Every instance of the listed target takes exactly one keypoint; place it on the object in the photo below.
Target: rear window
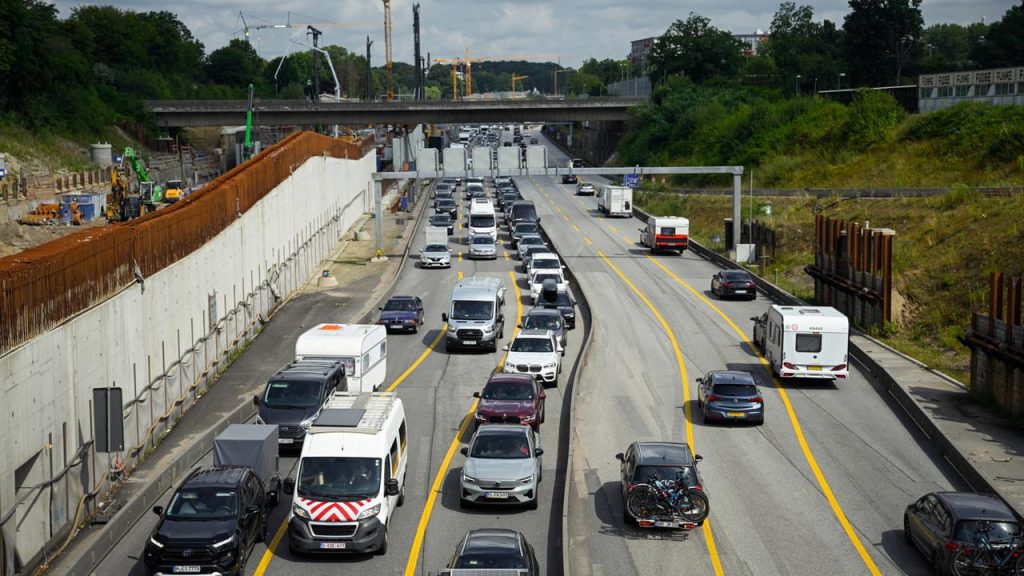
(736, 389)
(967, 530)
(737, 275)
(668, 231)
(642, 474)
(808, 342)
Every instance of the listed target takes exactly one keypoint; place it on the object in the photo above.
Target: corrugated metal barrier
(43, 286)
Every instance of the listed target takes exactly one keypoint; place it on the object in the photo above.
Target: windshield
(483, 239)
(526, 228)
(332, 479)
(508, 391)
(471, 310)
(545, 322)
(524, 212)
(531, 240)
(501, 446)
(967, 530)
(490, 561)
(481, 221)
(736, 389)
(545, 264)
(441, 219)
(445, 203)
(204, 503)
(642, 474)
(292, 394)
(402, 305)
(540, 278)
(531, 345)
(435, 248)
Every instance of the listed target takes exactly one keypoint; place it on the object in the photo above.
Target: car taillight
(757, 399)
(789, 365)
(839, 367)
(726, 284)
(953, 546)
(713, 398)
(630, 485)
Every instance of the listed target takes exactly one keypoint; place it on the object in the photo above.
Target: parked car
(537, 353)
(585, 189)
(730, 395)
(503, 466)
(512, 399)
(402, 313)
(733, 283)
(498, 549)
(210, 525)
(940, 523)
(542, 319)
(667, 460)
(443, 220)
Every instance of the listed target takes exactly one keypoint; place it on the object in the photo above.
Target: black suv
(551, 298)
(498, 549)
(940, 523)
(211, 524)
(667, 460)
(294, 396)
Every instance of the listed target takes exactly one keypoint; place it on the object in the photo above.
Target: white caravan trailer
(362, 347)
(804, 341)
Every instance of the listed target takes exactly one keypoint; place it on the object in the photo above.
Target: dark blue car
(402, 313)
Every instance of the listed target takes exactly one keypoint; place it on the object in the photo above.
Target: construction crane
(455, 77)
(247, 148)
(387, 47)
(516, 79)
(246, 27)
(469, 70)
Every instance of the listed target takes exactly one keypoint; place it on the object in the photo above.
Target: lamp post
(796, 83)
(839, 80)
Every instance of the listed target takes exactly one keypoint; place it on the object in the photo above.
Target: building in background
(752, 42)
(639, 51)
(995, 86)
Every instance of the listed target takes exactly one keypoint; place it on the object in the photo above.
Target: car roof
(977, 505)
(511, 378)
(502, 428)
(663, 453)
(532, 333)
(731, 377)
(495, 540)
(216, 476)
(544, 312)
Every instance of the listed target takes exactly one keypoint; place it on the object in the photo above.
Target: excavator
(152, 193)
(122, 203)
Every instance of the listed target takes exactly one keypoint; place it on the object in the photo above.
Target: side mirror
(538, 219)
(543, 395)
(444, 316)
(289, 486)
(754, 318)
(158, 510)
(620, 457)
(697, 458)
(392, 487)
(256, 399)
(464, 450)
(538, 451)
(476, 394)
(505, 347)
(520, 326)
(381, 308)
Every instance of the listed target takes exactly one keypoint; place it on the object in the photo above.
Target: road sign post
(631, 180)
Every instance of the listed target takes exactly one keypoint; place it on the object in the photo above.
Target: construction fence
(45, 285)
(996, 341)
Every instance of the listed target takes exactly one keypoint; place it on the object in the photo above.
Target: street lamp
(931, 48)
(796, 83)
(839, 80)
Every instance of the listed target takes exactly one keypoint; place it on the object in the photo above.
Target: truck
(253, 446)
(665, 233)
(615, 201)
(362, 347)
(804, 341)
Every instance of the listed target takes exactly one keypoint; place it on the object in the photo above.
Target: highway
(820, 488)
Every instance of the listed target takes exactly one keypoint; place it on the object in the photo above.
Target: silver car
(482, 246)
(435, 256)
(503, 466)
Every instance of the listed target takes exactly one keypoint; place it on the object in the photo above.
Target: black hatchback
(665, 460)
(497, 549)
(940, 523)
(211, 524)
(733, 283)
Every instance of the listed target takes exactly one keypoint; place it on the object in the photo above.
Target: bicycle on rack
(667, 503)
(986, 557)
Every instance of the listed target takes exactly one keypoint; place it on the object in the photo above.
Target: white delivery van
(615, 201)
(666, 233)
(804, 341)
(350, 476)
(476, 318)
(482, 220)
(362, 347)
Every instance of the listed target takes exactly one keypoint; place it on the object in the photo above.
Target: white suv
(537, 353)
(537, 282)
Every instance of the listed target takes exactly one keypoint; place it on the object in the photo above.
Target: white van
(476, 318)
(482, 220)
(804, 341)
(362, 347)
(350, 477)
(615, 201)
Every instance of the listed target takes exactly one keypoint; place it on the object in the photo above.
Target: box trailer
(253, 446)
(362, 347)
(615, 201)
(665, 233)
(804, 341)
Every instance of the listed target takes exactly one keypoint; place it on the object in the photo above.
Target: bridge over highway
(183, 113)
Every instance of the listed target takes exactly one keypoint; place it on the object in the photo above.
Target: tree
(236, 64)
(1003, 45)
(882, 39)
(582, 83)
(804, 50)
(695, 49)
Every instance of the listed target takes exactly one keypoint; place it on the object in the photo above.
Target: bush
(872, 118)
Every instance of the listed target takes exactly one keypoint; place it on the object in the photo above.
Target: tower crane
(469, 70)
(455, 78)
(387, 47)
(516, 79)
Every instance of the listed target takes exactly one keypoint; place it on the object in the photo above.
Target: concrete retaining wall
(161, 340)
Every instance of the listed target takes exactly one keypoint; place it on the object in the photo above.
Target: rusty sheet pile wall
(43, 286)
(852, 270)
(996, 341)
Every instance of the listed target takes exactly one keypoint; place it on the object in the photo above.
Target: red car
(511, 398)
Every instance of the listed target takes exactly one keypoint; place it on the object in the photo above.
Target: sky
(566, 31)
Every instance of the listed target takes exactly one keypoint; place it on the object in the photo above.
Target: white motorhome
(350, 476)
(482, 220)
(362, 347)
(804, 341)
(615, 201)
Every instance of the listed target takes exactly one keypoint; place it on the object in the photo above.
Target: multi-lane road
(818, 489)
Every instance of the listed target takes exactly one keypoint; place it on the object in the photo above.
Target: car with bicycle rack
(661, 487)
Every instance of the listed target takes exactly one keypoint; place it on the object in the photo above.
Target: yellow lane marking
(435, 488)
(564, 217)
(627, 239)
(268, 555)
(460, 275)
(422, 357)
(460, 260)
(614, 229)
(505, 254)
(716, 563)
(575, 227)
(587, 240)
(797, 429)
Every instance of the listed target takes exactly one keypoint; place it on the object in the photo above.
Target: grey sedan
(503, 466)
(730, 395)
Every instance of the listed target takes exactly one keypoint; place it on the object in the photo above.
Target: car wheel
(383, 548)
(447, 347)
(543, 414)
(532, 504)
(463, 503)
(261, 534)
(626, 518)
(401, 495)
(415, 328)
(937, 564)
(759, 422)
(906, 530)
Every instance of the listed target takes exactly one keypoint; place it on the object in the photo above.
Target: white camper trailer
(615, 201)
(362, 347)
(804, 341)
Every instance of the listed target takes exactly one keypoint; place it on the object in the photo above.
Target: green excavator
(152, 193)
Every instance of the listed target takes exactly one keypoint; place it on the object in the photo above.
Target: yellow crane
(516, 79)
(469, 70)
(387, 47)
(455, 77)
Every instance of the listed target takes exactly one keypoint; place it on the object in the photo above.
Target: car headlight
(307, 422)
(549, 366)
(529, 418)
(526, 480)
(488, 329)
(468, 479)
(259, 420)
(452, 329)
(369, 512)
(510, 366)
(155, 542)
(227, 541)
(300, 512)
(480, 416)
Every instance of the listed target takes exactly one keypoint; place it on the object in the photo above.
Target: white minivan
(482, 220)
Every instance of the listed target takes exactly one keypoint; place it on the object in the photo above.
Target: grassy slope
(50, 151)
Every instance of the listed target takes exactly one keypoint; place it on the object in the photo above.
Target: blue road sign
(631, 180)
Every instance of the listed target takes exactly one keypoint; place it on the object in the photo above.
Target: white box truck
(362, 347)
(665, 233)
(804, 341)
(615, 201)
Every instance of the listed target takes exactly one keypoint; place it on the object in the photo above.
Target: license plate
(332, 545)
(814, 368)
(497, 495)
(285, 440)
(741, 291)
(735, 414)
(469, 342)
(663, 524)
(185, 569)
